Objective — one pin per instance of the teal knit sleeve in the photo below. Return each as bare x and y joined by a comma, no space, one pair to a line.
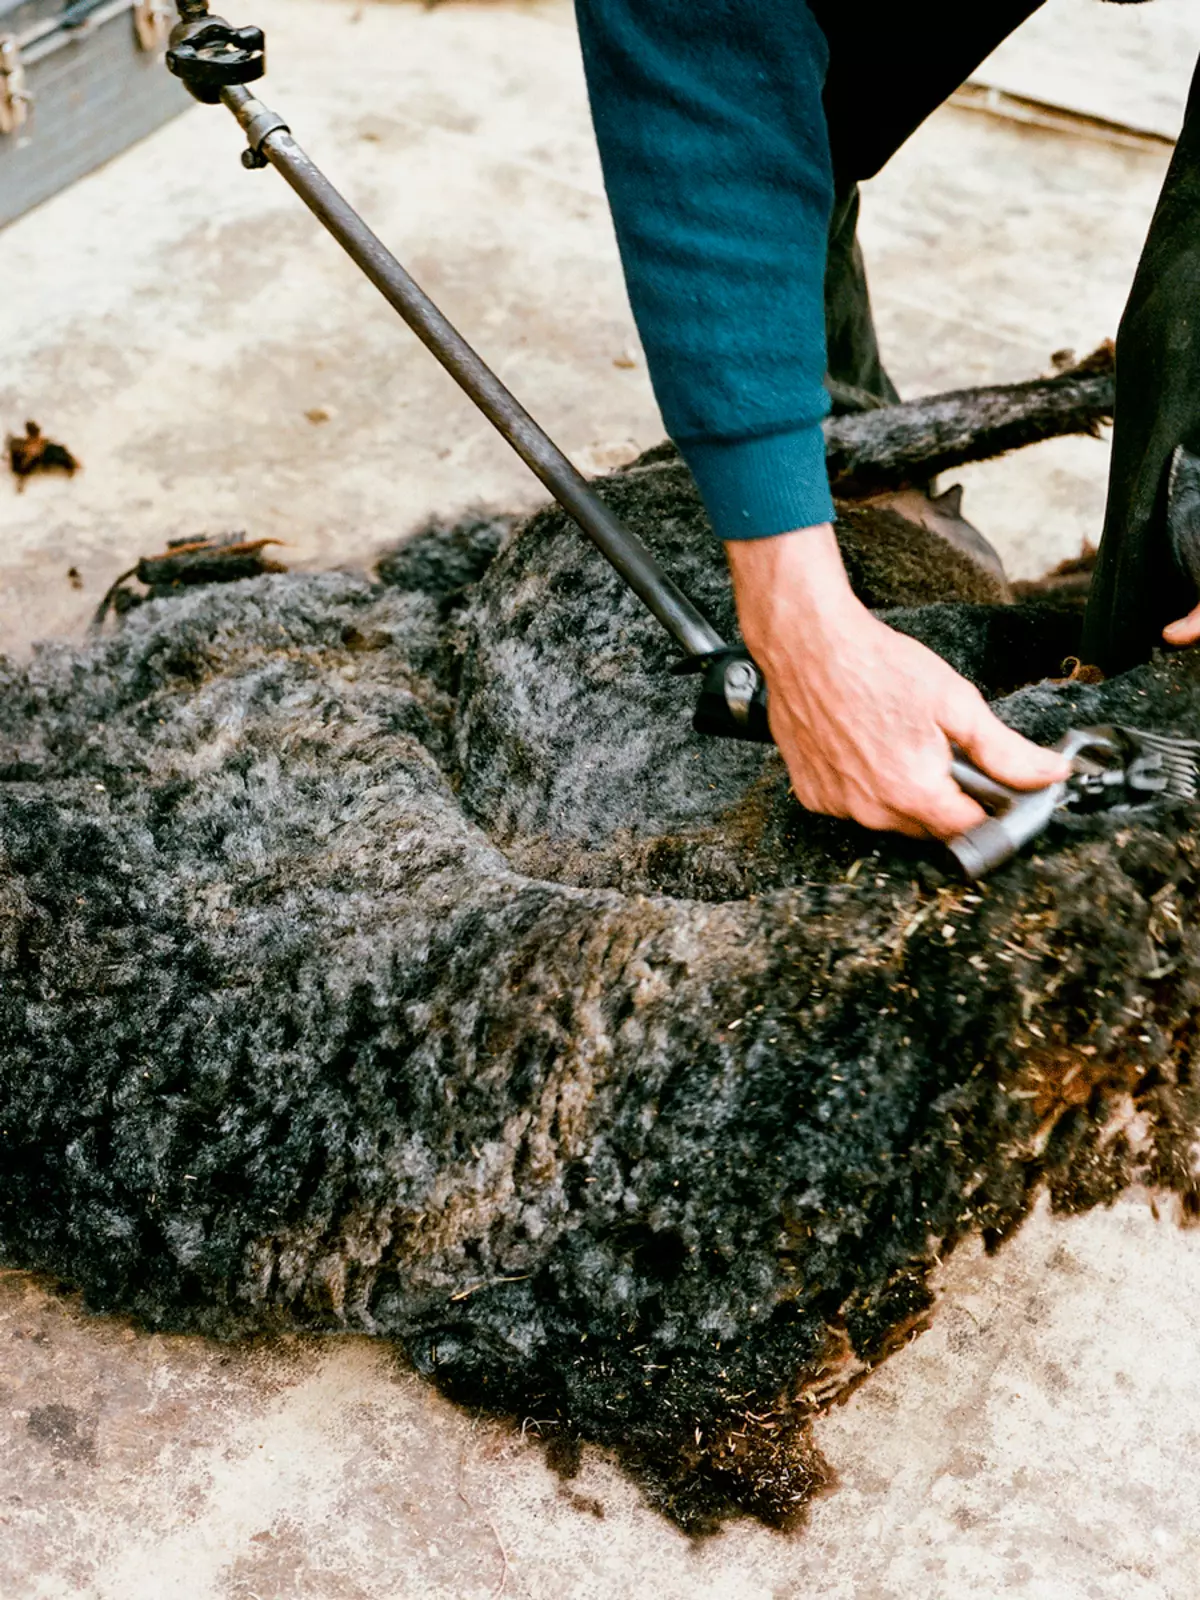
716,160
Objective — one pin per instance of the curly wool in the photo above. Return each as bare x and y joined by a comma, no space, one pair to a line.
391,955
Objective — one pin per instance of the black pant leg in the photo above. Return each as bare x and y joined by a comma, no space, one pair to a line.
890,67
1136,588
851,348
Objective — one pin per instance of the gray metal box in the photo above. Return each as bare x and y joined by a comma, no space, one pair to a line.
78,82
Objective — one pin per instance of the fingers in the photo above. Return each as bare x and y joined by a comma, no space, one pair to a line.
923,808
870,813
822,792
944,811
1185,631
937,809
999,750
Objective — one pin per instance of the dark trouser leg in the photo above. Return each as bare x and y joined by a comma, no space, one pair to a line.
1136,588
890,67
852,351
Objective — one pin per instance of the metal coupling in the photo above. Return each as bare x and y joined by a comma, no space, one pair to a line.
259,123
741,683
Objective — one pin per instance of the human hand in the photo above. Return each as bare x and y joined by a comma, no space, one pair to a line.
863,716
1185,631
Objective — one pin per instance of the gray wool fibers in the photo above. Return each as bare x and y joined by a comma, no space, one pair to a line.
390,955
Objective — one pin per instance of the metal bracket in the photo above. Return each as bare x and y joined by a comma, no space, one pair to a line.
152,22
741,683
260,122
15,99
733,695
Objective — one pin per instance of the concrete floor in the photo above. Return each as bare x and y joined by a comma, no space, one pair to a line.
173,319
1039,1442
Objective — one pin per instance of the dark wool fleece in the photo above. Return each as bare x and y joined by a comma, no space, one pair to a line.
391,956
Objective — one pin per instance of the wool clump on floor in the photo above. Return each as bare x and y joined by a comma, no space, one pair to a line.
389,954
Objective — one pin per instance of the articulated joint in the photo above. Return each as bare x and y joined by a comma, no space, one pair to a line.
208,54
259,123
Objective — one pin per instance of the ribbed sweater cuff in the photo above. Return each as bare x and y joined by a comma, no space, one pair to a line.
756,488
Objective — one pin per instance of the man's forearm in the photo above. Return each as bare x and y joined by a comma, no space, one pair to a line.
786,585
716,159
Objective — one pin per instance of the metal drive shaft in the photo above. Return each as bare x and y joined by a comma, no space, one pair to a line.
270,139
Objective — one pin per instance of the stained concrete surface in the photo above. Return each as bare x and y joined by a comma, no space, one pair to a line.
1038,1442
173,319
1102,60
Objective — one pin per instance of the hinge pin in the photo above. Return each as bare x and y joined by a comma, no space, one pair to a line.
15,99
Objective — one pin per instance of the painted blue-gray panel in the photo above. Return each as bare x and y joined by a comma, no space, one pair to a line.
93,97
